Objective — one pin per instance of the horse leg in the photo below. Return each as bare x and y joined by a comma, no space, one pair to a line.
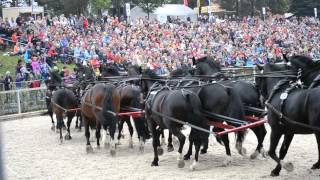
240,138
120,127
170,145
163,140
98,135
317,164
274,140
52,121
112,130
130,130
59,125
68,135
77,121
87,134
155,143
189,153
80,123
260,133
283,152
182,140
197,145
205,146
225,140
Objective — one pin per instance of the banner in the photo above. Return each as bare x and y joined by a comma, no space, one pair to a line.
199,7
128,9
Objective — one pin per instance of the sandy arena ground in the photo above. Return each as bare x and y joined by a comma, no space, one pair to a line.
31,151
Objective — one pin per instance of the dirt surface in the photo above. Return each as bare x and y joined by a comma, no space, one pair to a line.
32,151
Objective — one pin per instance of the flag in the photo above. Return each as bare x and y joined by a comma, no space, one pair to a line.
199,6
185,2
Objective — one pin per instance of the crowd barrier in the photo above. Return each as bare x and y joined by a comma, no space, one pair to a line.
22,101
20,85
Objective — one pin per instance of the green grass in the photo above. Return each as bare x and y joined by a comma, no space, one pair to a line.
8,63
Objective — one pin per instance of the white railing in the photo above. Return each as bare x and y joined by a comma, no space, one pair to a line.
22,101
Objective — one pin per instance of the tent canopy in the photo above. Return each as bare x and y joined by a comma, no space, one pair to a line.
174,10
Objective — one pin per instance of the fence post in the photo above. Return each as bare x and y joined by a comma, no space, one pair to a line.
254,74
18,101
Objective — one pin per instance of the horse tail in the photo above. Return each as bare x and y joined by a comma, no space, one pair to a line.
108,109
235,110
140,122
196,118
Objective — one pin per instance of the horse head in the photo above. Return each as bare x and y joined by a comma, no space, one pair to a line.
206,66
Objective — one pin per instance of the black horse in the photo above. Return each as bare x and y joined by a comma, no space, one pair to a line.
224,101
247,92
291,110
130,97
163,107
64,100
310,69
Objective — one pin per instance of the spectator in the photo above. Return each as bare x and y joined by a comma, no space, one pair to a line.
8,81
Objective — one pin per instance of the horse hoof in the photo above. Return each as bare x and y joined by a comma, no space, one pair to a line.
288,166
186,157
141,149
243,151
89,149
130,145
154,163
316,166
274,174
254,155
67,137
193,166
170,148
160,151
227,161
113,152
61,141
203,151
181,163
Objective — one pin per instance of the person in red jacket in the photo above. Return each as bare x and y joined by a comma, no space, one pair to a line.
85,23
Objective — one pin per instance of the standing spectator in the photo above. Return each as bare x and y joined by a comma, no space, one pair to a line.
8,81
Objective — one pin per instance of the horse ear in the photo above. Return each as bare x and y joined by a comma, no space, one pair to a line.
285,58
193,61
260,67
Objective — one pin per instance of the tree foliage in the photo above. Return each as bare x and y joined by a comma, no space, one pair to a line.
148,6
99,5
304,7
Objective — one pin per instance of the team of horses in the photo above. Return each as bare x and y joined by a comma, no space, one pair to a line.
288,91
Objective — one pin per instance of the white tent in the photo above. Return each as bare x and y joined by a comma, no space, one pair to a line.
137,12
177,10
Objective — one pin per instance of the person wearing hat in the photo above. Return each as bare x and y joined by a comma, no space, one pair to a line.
8,81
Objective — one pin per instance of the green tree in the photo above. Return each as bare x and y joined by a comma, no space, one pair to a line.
99,5
304,7
148,6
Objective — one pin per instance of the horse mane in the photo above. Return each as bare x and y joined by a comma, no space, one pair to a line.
210,61
275,67
303,61
150,73
110,69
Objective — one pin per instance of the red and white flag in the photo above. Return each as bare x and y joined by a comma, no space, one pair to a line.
185,2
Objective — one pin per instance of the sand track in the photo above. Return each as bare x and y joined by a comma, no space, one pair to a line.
31,151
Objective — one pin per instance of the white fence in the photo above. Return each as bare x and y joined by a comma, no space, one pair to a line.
22,101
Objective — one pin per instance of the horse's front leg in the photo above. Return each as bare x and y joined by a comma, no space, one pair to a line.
274,140
68,135
317,164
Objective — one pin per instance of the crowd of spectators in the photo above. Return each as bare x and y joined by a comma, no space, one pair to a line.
161,47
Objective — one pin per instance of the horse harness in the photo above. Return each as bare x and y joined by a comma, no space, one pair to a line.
283,97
